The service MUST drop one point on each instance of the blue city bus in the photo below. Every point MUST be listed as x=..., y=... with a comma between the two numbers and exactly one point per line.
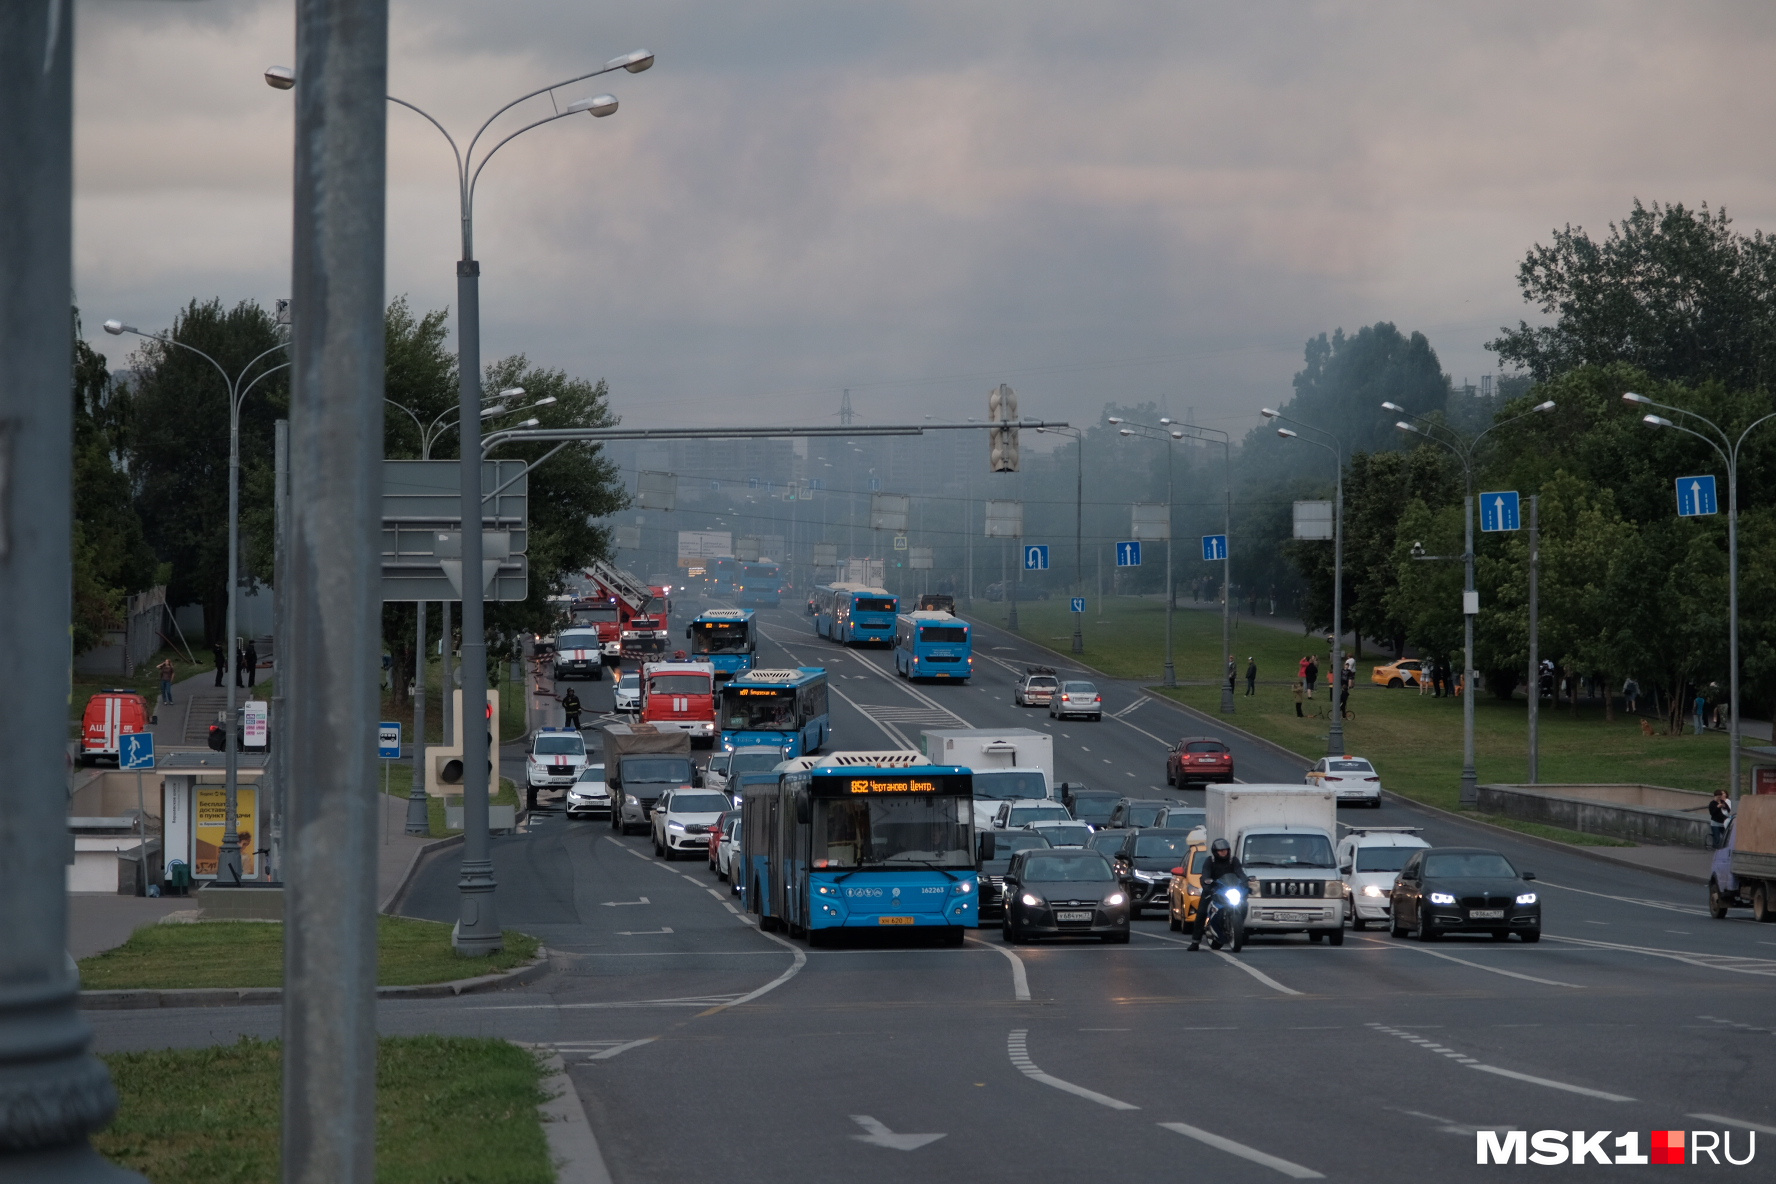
x=775, y=708
x=861, y=841
x=850, y=613
x=721, y=575
x=724, y=637
x=930, y=644
x=759, y=584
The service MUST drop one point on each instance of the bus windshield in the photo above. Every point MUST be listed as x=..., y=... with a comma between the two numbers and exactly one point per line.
x=944, y=633
x=873, y=604
x=891, y=829
x=719, y=637
x=758, y=709
x=678, y=684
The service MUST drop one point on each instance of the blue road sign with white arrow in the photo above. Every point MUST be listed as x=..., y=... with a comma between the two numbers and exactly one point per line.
x=1214, y=548
x=1079, y=604
x=1036, y=558
x=1695, y=496
x=135, y=750
x=1128, y=554
x=1498, y=510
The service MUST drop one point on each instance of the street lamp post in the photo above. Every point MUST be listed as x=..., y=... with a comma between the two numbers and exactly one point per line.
x=1170, y=435
x=1335, y=737
x=1207, y=436
x=228, y=860
x=1464, y=449
x=1078, y=526
x=1728, y=449
x=477, y=929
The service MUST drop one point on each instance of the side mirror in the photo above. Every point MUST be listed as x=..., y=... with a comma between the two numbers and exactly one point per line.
x=985, y=846
x=1345, y=869
x=1529, y=875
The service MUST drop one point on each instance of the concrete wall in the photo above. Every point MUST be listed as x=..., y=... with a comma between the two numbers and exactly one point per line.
x=1681, y=818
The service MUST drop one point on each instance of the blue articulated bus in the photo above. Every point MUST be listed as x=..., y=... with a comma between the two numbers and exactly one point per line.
x=724, y=637
x=775, y=708
x=758, y=585
x=862, y=841
x=850, y=613
x=929, y=644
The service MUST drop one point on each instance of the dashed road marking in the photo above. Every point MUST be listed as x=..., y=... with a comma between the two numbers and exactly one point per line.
x=1472, y=1063
x=1017, y=1047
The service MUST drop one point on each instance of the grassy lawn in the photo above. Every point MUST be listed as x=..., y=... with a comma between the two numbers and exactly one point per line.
x=1416, y=741
x=502, y=677
x=447, y=1109
x=400, y=784
x=146, y=680
x=251, y=954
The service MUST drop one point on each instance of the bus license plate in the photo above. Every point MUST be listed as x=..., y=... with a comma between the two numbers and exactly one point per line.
x=894, y=920
x=1487, y=914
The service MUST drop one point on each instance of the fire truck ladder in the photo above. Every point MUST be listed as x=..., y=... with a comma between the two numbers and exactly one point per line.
x=620, y=583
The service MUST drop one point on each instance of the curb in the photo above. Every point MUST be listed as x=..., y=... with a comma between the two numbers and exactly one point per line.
x=573, y=1148
x=140, y=1000
x=394, y=898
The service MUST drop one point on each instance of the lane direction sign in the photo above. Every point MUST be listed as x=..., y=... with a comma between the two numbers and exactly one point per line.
x=1695, y=497
x=1214, y=548
x=1036, y=557
x=1079, y=604
x=1498, y=510
x=1128, y=554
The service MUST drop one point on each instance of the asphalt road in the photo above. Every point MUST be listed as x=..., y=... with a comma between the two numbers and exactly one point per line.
x=702, y=1047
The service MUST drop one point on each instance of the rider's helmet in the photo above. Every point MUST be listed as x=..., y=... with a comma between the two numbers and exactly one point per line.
x=1220, y=849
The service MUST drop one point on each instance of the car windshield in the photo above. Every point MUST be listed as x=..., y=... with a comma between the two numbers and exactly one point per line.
x=700, y=803
x=1107, y=841
x=1004, y=785
x=657, y=769
x=560, y=746
x=1142, y=813
x=678, y=684
x=1476, y=865
x=1382, y=859
x=1071, y=835
x=1349, y=766
x=629, y=682
x=592, y=773
x=754, y=762
x=1025, y=814
x=758, y=709
x=874, y=604
x=579, y=639
x=1157, y=845
x=1084, y=867
x=1079, y=688
x=1009, y=843
x=718, y=637
x=893, y=829
x=1094, y=808
x=1187, y=819
x=1290, y=850
x=1205, y=746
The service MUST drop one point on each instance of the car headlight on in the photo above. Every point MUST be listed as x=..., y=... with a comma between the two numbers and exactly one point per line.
x=671, y=825
x=1526, y=898
x=1373, y=890
x=1032, y=901
x=1115, y=898
x=631, y=800
x=1442, y=898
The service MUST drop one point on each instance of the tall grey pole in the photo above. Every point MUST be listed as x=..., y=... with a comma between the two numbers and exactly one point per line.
x=418, y=809
x=280, y=629
x=1079, y=540
x=1171, y=671
x=228, y=860
x=53, y=1093
x=447, y=676
x=329, y=1028
x=1535, y=655
x=1733, y=625
x=1335, y=736
x=1227, y=574
x=1470, y=789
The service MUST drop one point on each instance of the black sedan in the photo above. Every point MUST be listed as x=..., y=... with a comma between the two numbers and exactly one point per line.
x=1464, y=890
x=1144, y=866
x=1068, y=892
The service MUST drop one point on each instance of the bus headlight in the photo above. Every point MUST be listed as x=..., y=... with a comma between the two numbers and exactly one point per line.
x=963, y=888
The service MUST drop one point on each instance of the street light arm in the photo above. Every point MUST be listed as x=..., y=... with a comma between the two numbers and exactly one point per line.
x=1747, y=432
x=469, y=197
x=1646, y=402
x=242, y=397
x=1708, y=440
x=607, y=68
x=451, y=140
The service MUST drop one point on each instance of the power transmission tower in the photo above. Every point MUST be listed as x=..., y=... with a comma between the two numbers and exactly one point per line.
x=845, y=408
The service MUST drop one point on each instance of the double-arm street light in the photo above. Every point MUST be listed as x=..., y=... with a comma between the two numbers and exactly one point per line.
x=1078, y=527
x=1169, y=435
x=477, y=928
x=1728, y=449
x=228, y=860
x=1464, y=449
x=1334, y=738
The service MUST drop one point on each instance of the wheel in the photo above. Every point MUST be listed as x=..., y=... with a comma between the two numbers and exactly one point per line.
x=1394, y=683
x=598, y=674
x=1177, y=925
x=1316, y=937
x=1531, y=935
x=1760, y=904
x=819, y=938
x=953, y=937
x=1239, y=935
x=1717, y=905
x=1117, y=939
x=1424, y=932
x=1011, y=930
x=1395, y=929
x=1171, y=778
x=1134, y=910
x=1335, y=938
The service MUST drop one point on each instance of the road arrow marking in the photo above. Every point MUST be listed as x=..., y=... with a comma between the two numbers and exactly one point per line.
x=640, y=932
x=881, y=1136
x=611, y=904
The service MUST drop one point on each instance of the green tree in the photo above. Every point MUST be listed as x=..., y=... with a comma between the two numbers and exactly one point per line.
x=112, y=558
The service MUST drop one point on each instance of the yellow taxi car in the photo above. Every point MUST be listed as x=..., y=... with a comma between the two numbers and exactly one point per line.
x=1404, y=673
x=1186, y=887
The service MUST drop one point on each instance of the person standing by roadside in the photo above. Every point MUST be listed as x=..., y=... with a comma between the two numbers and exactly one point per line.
x=1298, y=683
x=1720, y=809
x=1251, y=675
x=1231, y=672
x=220, y=653
x=251, y=656
x=166, y=670
x=570, y=708
x=1700, y=708
x=1312, y=674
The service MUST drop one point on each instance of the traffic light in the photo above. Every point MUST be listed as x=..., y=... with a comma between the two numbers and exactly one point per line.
x=1003, y=441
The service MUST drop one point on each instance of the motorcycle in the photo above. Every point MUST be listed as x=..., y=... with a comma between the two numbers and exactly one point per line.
x=1225, y=924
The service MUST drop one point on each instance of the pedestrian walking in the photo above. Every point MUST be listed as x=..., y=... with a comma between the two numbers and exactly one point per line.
x=1631, y=695
x=166, y=680
x=221, y=655
x=1700, y=708
x=252, y=657
x=1251, y=675
x=570, y=706
x=1720, y=811
x=1298, y=698
x=240, y=663
x=1313, y=675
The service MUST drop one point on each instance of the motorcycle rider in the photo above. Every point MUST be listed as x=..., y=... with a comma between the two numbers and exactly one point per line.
x=1220, y=863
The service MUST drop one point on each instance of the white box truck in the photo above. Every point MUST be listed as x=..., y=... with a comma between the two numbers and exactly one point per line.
x=1008, y=764
x=1284, y=838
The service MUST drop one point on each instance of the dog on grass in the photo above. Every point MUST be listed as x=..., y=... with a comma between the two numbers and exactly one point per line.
x=1646, y=726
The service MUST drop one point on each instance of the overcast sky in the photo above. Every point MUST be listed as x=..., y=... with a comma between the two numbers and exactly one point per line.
x=1125, y=200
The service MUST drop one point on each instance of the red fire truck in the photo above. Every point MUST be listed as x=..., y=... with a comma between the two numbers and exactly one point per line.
x=681, y=696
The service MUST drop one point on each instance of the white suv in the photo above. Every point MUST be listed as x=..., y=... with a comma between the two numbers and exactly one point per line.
x=683, y=818
x=1020, y=812
x=555, y=758
x=1370, y=860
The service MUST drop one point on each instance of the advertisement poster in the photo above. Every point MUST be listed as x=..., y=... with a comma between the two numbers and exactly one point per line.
x=254, y=718
x=211, y=818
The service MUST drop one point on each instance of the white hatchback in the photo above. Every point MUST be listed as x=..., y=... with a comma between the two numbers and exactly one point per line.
x=627, y=694
x=1021, y=812
x=682, y=819
x=1370, y=860
x=589, y=795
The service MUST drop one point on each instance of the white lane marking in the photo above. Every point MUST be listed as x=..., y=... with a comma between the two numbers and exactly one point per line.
x=1738, y=1122
x=1691, y=910
x=1232, y=961
x=881, y=1136
x=1732, y=963
x=1736, y=1024
x=615, y=1005
x=1017, y=1046
x=1130, y=708
x=641, y=932
x=608, y=1053
x=1470, y=1063
x=889, y=730
x=1293, y=1170
x=612, y=904
x=1020, y=982
x=1528, y=978
x=1143, y=731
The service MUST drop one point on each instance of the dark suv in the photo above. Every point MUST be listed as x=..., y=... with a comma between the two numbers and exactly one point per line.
x=1144, y=866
